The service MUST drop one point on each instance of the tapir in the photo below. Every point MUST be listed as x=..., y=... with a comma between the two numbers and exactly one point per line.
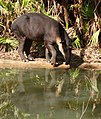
x=38, y=27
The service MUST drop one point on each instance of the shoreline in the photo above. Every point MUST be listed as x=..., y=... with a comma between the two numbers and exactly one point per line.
x=5, y=63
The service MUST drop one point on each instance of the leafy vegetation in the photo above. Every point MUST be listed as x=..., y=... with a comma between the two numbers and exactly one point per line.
x=83, y=15
x=8, y=43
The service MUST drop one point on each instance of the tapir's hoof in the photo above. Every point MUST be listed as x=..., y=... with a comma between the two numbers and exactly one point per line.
x=54, y=64
x=48, y=61
x=67, y=63
x=25, y=60
x=30, y=58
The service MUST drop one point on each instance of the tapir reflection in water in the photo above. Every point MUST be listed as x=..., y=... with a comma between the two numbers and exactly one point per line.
x=38, y=27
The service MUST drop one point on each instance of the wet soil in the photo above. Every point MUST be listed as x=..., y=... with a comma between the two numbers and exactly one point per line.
x=83, y=58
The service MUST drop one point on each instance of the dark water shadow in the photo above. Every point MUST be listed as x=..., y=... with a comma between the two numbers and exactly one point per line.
x=76, y=61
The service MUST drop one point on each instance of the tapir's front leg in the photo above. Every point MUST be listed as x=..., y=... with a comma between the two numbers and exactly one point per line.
x=64, y=49
x=53, y=53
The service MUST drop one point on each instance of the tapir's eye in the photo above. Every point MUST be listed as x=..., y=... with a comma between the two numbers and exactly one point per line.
x=62, y=42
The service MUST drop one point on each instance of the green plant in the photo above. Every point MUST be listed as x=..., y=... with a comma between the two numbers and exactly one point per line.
x=94, y=38
x=87, y=10
x=76, y=43
x=9, y=43
x=74, y=73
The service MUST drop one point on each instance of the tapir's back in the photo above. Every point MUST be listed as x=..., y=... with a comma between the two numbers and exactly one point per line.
x=34, y=25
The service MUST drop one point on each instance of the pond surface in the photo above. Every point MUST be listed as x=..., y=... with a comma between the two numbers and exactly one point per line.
x=50, y=94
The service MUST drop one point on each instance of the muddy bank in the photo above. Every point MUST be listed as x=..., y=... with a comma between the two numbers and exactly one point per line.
x=38, y=63
x=41, y=63
x=91, y=59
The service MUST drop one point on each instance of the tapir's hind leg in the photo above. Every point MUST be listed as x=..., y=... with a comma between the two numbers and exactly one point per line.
x=21, y=49
x=47, y=55
x=21, y=40
x=27, y=47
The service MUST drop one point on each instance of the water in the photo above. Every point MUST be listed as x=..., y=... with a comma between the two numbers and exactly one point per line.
x=50, y=94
